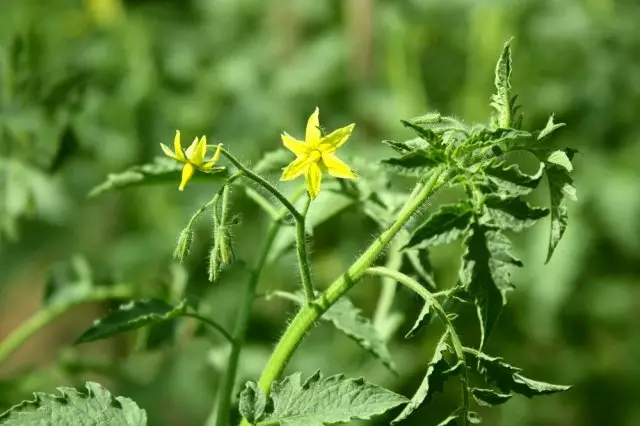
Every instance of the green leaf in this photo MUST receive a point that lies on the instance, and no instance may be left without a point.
(560, 158)
(501, 101)
(131, 316)
(346, 317)
(320, 401)
(253, 402)
(423, 318)
(511, 180)
(413, 163)
(438, 371)
(436, 123)
(508, 378)
(452, 420)
(161, 171)
(96, 406)
(560, 188)
(511, 213)
(485, 274)
(489, 397)
(445, 225)
(399, 147)
(549, 128)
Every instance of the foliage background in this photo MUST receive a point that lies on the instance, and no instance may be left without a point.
(89, 88)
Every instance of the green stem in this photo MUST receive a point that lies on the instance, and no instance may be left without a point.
(308, 314)
(49, 313)
(220, 416)
(266, 185)
(213, 324)
(442, 315)
(303, 258)
(382, 320)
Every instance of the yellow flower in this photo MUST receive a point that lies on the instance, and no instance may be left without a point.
(317, 153)
(192, 157)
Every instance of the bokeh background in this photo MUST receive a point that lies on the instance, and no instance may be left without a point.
(90, 88)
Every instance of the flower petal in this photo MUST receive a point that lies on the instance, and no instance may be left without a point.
(336, 139)
(296, 168)
(214, 159)
(168, 152)
(337, 167)
(177, 146)
(187, 172)
(200, 151)
(313, 133)
(313, 177)
(299, 148)
(191, 151)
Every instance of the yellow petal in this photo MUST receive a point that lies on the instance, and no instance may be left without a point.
(336, 139)
(313, 134)
(313, 177)
(168, 152)
(215, 158)
(299, 148)
(337, 167)
(296, 168)
(177, 146)
(191, 151)
(187, 172)
(200, 151)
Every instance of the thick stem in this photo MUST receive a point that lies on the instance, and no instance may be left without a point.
(308, 314)
(442, 315)
(303, 258)
(49, 313)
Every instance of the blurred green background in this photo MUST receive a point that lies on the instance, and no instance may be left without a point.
(90, 88)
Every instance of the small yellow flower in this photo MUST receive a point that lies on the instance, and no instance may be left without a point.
(317, 153)
(192, 157)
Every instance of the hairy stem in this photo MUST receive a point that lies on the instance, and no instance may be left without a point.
(303, 258)
(220, 415)
(49, 313)
(266, 185)
(307, 315)
(442, 315)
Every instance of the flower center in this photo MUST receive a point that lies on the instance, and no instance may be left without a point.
(315, 155)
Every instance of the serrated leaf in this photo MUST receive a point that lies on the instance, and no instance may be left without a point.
(502, 101)
(423, 318)
(95, 406)
(549, 128)
(560, 158)
(273, 161)
(443, 226)
(485, 274)
(346, 317)
(161, 171)
(253, 402)
(130, 316)
(511, 213)
(426, 134)
(508, 378)
(321, 401)
(399, 147)
(413, 163)
(436, 123)
(489, 397)
(560, 188)
(438, 371)
(511, 180)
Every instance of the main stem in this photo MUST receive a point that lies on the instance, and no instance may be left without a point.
(308, 314)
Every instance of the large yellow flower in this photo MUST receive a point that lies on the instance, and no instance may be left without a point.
(192, 157)
(317, 153)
